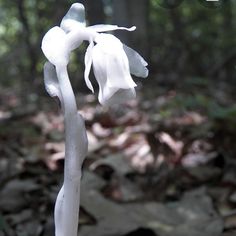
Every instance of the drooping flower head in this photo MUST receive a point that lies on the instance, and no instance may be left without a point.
(112, 62)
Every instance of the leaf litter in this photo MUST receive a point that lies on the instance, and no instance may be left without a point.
(147, 171)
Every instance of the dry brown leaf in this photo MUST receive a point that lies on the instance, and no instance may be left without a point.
(100, 131)
(48, 122)
(176, 146)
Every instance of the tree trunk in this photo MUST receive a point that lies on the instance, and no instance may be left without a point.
(27, 38)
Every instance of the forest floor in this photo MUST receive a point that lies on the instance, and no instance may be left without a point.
(163, 164)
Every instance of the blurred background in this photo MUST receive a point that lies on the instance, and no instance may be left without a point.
(163, 164)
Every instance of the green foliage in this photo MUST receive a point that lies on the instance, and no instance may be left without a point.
(192, 38)
(219, 116)
(22, 26)
(187, 38)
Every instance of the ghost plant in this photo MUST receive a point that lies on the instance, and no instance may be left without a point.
(112, 63)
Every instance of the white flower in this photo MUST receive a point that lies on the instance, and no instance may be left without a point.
(111, 69)
(112, 61)
(55, 47)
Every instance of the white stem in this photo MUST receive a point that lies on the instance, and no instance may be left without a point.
(75, 150)
(58, 213)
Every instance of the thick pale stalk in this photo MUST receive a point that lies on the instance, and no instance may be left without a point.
(75, 138)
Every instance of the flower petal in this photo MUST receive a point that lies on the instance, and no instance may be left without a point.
(74, 17)
(111, 68)
(117, 65)
(104, 28)
(88, 64)
(99, 68)
(99, 72)
(137, 64)
(120, 96)
(54, 46)
(118, 74)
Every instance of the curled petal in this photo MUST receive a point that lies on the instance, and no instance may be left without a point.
(54, 46)
(104, 28)
(137, 64)
(74, 18)
(88, 64)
